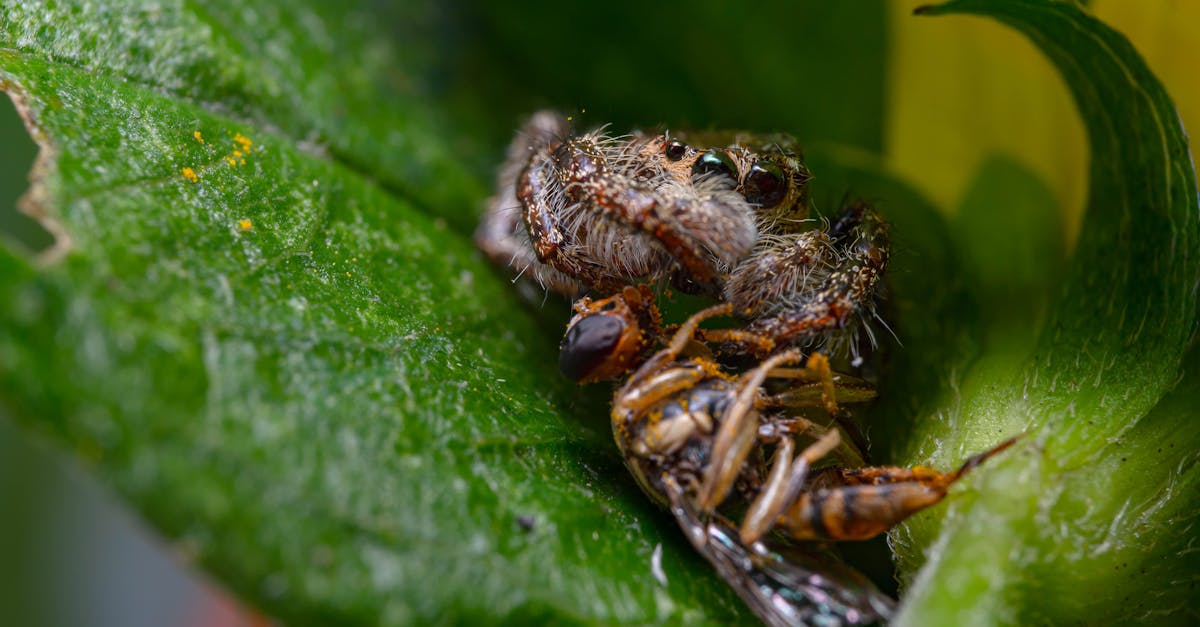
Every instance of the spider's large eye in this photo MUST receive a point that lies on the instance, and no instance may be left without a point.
(765, 185)
(674, 150)
(715, 161)
(588, 344)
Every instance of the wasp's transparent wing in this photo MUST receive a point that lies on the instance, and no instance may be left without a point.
(783, 591)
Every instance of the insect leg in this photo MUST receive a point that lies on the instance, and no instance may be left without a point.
(743, 341)
(807, 392)
(737, 433)
(850, 452)
(684, 334)
(783, 485)
(652, 381)
(821, 387)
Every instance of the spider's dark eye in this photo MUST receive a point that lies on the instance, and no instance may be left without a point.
(765, 185)
(715, 161)
(587, 344)
(675, 150)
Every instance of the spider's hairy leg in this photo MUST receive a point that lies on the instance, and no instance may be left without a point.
(546, 201)
(701, 223)
(501, 235)
(801, 289)
(503, 239)
(645, 209)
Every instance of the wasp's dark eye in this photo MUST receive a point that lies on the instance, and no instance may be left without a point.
(765, 184)
(715, 161)
(587, 344)
(675, 150)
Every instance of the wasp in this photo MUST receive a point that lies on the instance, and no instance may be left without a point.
(717, 447)
(721, 214)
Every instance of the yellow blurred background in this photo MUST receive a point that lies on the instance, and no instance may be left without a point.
(998, 77)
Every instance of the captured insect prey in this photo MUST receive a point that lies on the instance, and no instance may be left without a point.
(698, 439)
(721, 214)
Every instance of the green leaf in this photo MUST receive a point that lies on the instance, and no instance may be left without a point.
(315, 387)
(325, 76)
(1092, 502)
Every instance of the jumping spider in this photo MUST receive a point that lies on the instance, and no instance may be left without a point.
(698, 439)
(717, 214)
(712, 439)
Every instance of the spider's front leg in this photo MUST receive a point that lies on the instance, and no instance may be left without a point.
(562, 231)
(802, 289)
(699, 221)
(699, 232)
(502, 234)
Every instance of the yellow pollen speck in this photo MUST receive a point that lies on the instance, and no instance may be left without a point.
(198, 137)
(245, 224)
(189, 174)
